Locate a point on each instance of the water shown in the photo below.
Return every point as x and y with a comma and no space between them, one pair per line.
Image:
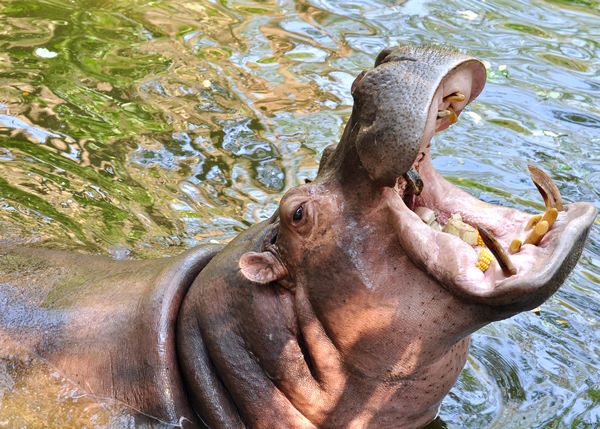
141,128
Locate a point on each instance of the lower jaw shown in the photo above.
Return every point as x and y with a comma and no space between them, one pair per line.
538,264
451,206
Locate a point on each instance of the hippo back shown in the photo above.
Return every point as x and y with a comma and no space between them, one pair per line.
106,325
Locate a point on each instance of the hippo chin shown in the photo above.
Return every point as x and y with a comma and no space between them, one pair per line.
344,309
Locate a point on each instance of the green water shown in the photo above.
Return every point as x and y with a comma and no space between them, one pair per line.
141,128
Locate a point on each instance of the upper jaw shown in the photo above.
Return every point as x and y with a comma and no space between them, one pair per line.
412,93
540,268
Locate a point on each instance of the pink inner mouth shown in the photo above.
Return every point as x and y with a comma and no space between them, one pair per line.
452,261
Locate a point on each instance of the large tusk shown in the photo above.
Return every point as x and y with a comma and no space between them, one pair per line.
503,259
547,188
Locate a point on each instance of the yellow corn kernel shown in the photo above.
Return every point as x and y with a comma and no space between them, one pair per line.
515,246
485,259
480,241
533,220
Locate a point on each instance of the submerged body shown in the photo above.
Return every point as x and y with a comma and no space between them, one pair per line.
108,326
344,309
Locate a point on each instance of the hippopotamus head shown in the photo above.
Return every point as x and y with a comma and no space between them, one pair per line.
352,305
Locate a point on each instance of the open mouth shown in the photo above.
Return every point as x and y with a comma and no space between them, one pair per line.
488,254
481,251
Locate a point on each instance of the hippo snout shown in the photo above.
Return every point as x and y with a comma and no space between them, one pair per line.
399,104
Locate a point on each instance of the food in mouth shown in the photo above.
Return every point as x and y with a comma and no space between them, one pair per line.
480,237
495,235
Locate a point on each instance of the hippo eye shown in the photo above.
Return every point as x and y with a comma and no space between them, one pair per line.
298,214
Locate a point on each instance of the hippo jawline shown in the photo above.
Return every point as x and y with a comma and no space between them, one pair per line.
540,268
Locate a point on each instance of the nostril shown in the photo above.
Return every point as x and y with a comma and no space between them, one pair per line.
382,55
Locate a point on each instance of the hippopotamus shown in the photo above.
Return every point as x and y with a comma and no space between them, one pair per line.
351,306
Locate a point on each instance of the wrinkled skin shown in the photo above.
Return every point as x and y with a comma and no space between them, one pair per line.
344,309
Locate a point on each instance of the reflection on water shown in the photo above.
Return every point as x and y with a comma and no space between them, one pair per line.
32,395
144,127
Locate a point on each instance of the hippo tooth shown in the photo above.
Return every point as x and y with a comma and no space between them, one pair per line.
436,226
414,181
453,225
426,214
456,97
538,233
448,113
464,231
533,220
515,246
469,235
547,188
451,229
453,116
503,259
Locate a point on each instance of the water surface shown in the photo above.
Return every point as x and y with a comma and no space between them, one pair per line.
141,128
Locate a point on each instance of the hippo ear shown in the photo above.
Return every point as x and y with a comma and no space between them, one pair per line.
261,267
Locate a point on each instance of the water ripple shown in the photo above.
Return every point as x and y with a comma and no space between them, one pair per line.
144,127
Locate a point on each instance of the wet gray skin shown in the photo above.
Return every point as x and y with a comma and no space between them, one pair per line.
343,309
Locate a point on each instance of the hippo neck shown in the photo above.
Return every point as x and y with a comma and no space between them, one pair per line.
350,397
258,385
256,354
